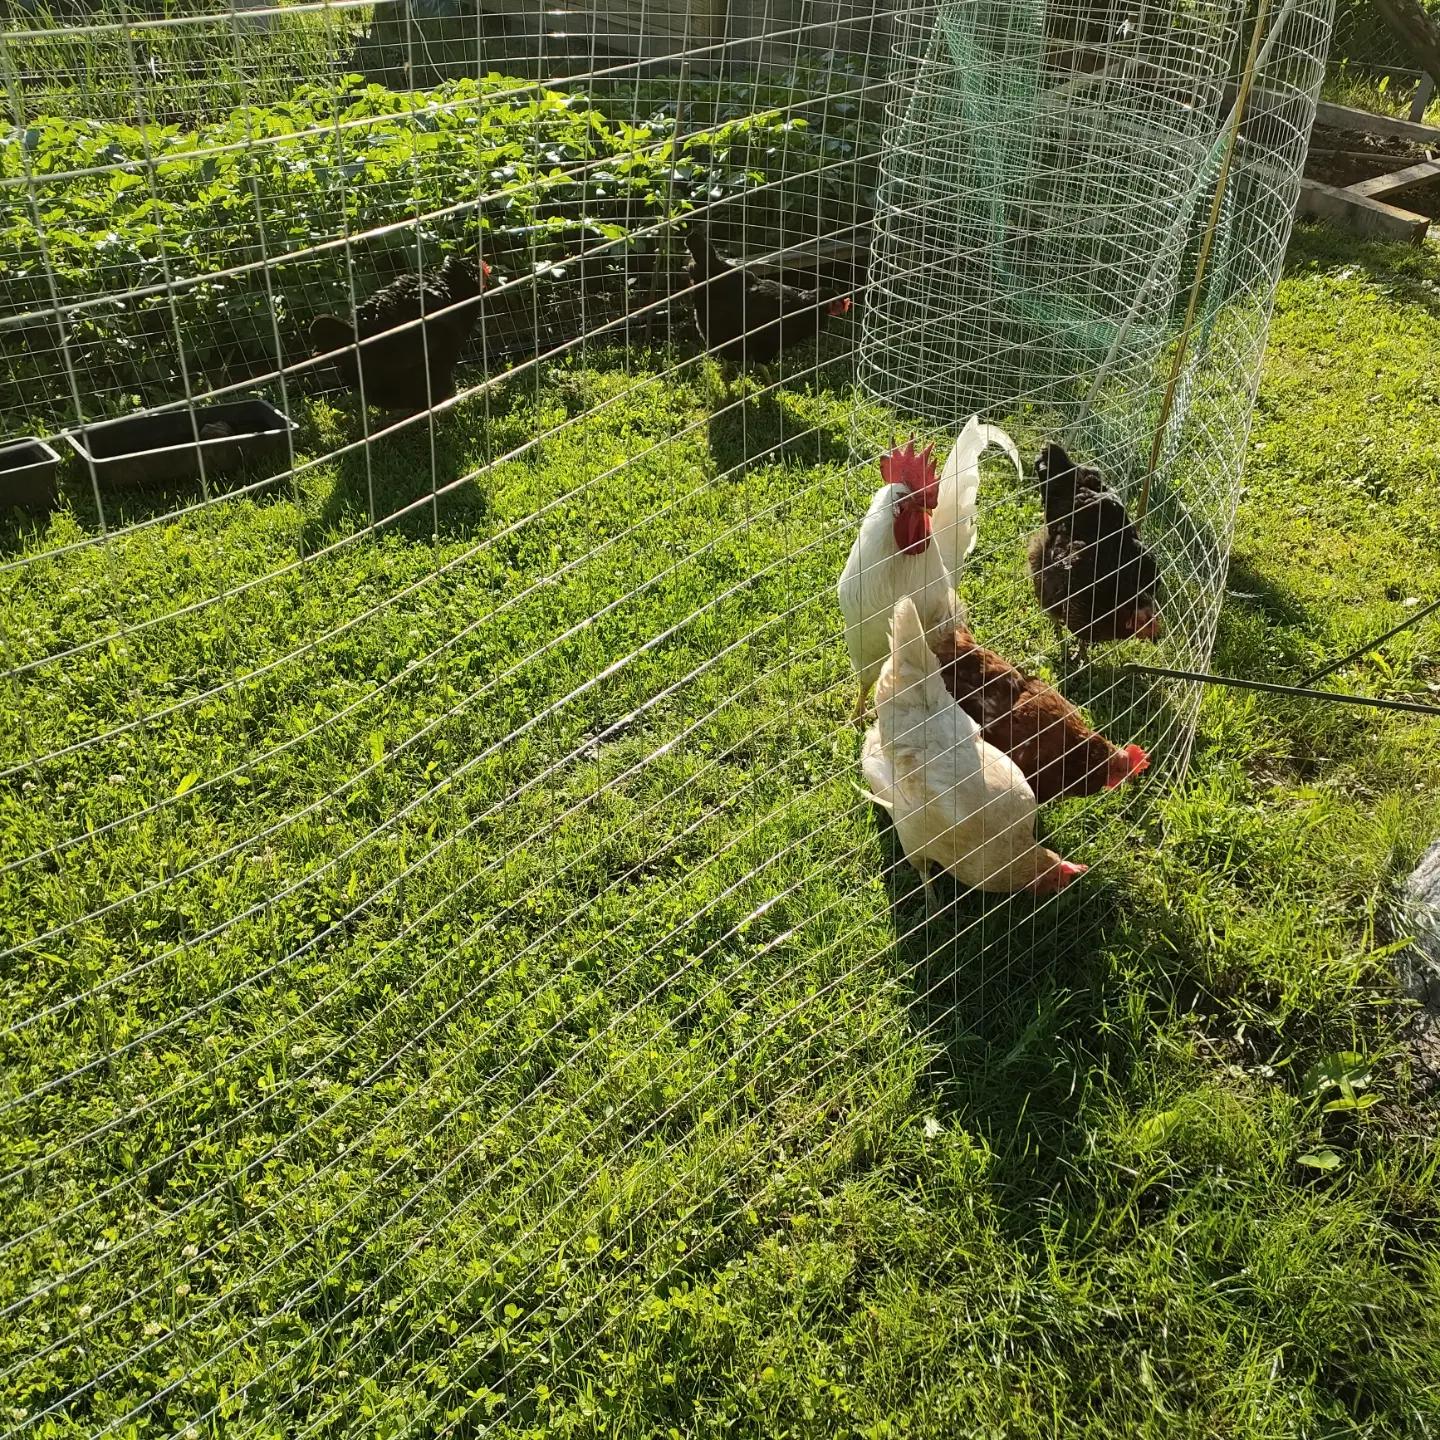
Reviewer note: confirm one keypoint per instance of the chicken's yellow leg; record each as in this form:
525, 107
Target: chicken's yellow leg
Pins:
857, 715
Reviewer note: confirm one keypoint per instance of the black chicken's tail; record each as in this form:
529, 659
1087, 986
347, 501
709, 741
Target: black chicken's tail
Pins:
1056, 473
1053, 462
708, 261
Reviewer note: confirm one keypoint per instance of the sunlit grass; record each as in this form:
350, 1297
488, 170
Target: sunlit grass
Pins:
507, 1017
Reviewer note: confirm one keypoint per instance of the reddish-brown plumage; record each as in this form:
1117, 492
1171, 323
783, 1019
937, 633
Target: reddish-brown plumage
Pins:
1033, 723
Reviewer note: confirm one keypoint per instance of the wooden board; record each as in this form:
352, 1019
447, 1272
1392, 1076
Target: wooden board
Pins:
1360, 213
1373, 157
1394, 180
1343, 117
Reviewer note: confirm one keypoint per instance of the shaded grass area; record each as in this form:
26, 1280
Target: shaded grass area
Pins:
505, 1017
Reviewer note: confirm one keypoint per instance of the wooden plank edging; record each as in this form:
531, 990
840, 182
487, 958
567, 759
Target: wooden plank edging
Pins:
1360, 213
1392, 180
1343, 117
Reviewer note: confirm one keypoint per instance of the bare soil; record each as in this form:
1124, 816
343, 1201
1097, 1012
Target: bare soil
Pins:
1345, 157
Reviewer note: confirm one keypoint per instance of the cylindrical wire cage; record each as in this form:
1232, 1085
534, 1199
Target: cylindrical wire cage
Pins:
444, 950
1048, 182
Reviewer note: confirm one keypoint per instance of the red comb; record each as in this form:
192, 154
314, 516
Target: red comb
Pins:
1132, 760
839, 307
915, 469
484, 269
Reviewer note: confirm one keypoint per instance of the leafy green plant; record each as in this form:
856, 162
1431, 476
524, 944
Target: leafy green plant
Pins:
195, 254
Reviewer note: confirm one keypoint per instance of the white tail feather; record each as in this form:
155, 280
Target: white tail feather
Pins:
912, 683
954, 526
910, 655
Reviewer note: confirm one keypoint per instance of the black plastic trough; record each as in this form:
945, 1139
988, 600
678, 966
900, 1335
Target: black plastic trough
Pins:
161, 449
27, 474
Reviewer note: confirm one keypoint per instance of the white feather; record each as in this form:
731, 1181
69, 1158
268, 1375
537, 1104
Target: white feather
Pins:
876, 575
954, 522
956, 800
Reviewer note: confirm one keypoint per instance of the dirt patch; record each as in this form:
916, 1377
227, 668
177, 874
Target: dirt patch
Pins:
1345, 157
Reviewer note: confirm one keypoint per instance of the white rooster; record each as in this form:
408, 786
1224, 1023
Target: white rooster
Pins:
957, 802
913, 541
893, 556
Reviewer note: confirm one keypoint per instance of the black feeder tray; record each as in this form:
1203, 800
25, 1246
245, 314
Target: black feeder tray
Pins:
161, 449
27, 474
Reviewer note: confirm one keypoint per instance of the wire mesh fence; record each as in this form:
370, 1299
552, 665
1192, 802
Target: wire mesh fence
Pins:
449, 966
1364, 43
1372, 67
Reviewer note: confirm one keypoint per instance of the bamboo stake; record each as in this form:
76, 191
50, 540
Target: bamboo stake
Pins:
1237, 116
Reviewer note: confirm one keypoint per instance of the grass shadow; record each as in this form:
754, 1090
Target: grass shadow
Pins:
1248, 589
1261, 630
390, 482
761, 427
23, 531
1009, 993
124, 508
1407, 273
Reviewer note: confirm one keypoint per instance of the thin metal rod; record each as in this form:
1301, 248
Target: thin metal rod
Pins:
1414, 707
1370, 645
1222, 181
1182, 212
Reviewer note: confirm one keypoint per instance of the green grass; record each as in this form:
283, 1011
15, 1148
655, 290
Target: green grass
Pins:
1380, 93
185, 69
1369, 66
479, 1034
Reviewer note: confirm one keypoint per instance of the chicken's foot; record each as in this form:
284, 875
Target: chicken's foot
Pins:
927, 879
857, 715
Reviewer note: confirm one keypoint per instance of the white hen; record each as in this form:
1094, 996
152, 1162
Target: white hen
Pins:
893, 555
955, 507
957, 802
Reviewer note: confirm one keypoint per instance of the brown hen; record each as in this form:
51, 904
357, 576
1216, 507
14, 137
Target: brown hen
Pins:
1033, 723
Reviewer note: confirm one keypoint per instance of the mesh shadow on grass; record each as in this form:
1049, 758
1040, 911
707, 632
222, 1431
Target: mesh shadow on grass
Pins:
760, 429
1406, 272
1009, 995
1248, 589
131, 505
975, 962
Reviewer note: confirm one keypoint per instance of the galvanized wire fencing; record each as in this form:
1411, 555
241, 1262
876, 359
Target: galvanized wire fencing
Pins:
446, 953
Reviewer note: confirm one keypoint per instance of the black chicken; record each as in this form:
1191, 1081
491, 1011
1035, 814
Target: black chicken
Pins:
745, 319
1091, 573
394, 360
